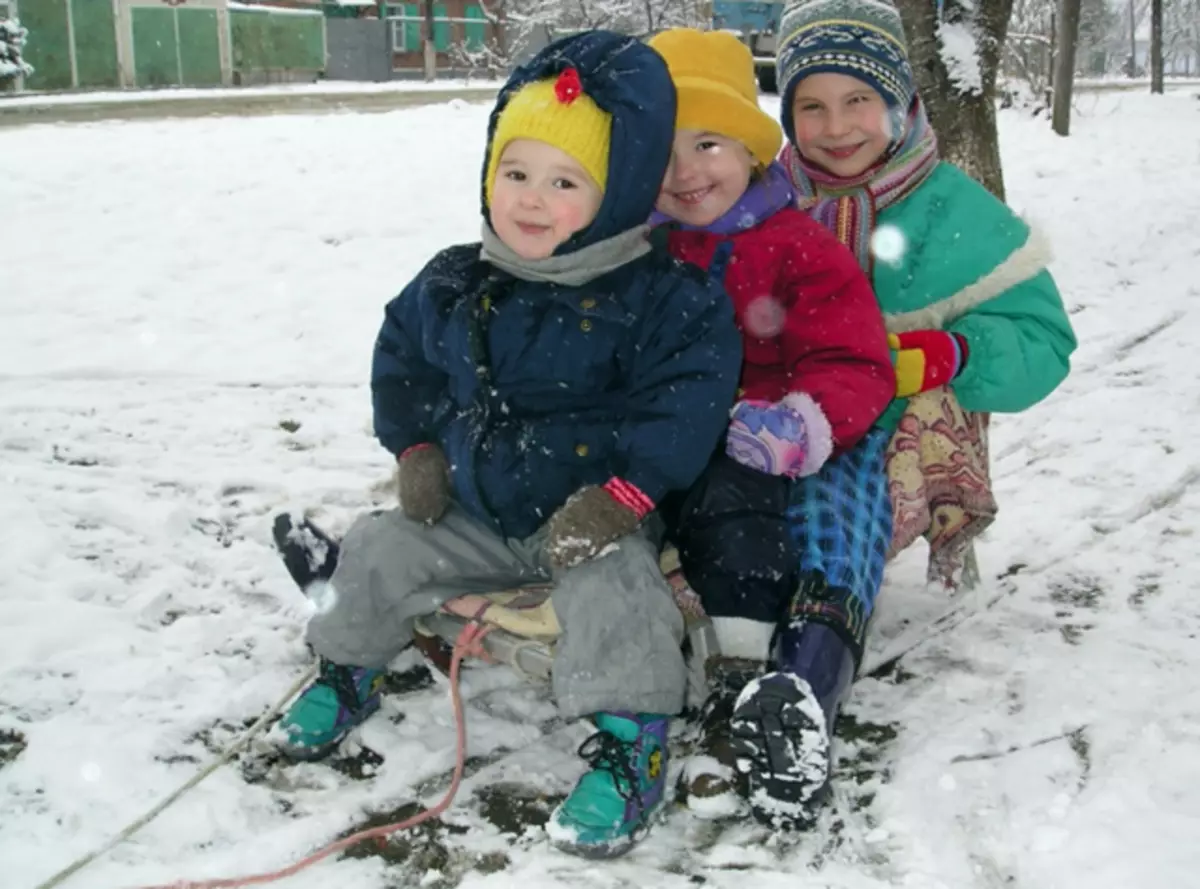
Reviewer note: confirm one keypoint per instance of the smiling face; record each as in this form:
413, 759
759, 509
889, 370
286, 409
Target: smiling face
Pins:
707, 175
840, 123
540, 198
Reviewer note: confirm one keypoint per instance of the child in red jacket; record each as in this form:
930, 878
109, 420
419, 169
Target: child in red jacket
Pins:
817, 374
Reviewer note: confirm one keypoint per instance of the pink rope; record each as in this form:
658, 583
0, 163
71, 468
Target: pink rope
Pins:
468, 642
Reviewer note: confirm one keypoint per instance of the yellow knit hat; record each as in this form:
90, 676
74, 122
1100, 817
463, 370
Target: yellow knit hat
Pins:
555, 111
713, 73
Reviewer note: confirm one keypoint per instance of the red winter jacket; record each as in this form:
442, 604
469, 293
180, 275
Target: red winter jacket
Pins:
809, 319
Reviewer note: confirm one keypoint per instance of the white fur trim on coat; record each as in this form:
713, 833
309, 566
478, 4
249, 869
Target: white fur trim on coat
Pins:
1024, 263
816, 424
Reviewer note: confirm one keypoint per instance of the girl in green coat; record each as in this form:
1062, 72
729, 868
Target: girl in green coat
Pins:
977, 327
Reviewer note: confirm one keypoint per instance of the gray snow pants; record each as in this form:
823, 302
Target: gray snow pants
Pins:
622, 632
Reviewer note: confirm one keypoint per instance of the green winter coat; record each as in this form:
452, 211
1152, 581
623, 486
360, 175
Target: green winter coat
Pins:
970, 266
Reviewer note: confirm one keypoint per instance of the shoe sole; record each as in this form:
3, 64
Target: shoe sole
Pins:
783, 751
615, 848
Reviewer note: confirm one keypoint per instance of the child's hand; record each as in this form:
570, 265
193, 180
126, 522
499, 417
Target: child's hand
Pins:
770, 436
591, 519
423, 478
926, 359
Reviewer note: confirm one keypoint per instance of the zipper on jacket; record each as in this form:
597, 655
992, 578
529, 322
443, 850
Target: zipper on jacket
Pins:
481, 302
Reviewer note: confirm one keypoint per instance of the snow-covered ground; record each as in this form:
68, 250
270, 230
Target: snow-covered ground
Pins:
188, 309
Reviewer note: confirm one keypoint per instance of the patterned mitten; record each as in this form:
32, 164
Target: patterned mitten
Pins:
423, 477
591, 519
926, 359
789, 437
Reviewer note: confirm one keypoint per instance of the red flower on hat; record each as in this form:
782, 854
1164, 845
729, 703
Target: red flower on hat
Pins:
568, 87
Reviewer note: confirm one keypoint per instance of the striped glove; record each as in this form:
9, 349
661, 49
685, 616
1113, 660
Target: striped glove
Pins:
926, 359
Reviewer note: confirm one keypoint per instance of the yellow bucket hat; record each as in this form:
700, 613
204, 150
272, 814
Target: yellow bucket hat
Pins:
717, 92
558, 112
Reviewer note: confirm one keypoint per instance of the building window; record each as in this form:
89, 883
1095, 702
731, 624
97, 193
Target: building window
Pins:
406, 27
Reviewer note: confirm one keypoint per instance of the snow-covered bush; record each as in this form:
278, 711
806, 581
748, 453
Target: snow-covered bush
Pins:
12, 41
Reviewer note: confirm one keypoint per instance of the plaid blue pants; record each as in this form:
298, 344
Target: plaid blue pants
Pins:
841, 522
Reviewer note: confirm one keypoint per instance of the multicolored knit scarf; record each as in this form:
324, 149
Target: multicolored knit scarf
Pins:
849, 207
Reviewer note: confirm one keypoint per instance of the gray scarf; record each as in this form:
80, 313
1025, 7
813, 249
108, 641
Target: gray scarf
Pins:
573, 269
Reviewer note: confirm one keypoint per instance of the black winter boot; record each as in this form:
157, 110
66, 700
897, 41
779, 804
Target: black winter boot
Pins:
309, 554
782, 725
709, 781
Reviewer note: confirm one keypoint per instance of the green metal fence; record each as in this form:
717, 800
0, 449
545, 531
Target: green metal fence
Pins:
266, 41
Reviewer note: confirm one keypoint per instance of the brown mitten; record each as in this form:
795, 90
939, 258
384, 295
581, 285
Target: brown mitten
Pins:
423, 477
591, 519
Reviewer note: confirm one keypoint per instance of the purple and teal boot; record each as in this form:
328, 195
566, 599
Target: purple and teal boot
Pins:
612, 806
336, 701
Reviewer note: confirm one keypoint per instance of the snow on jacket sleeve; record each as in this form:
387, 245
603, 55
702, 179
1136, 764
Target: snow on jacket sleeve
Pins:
405, 387
834, 341
685, 375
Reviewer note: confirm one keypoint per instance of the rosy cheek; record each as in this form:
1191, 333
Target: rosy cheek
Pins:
571, 218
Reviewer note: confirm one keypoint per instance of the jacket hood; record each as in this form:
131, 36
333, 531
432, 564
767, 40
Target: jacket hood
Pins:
630, 81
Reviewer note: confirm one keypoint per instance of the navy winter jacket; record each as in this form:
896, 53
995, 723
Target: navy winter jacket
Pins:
533, 389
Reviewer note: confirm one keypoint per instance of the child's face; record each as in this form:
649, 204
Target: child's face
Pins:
540, 198
841, 123
706, 177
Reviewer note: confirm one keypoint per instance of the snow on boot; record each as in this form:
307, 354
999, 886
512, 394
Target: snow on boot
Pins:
709, 781
309, 554
335, 702
611, 807
782, 725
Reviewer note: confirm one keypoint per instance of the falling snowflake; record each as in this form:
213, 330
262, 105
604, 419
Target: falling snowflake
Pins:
322, 597
889, 244
764, 317
90, 772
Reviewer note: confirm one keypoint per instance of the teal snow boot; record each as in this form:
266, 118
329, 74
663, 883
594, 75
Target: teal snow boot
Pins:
611, 807
335, 702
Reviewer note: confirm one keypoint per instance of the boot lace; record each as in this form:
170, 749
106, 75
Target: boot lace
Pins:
340, 680
604, 751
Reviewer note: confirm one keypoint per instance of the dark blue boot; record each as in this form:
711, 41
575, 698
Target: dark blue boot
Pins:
782, 724
309, 554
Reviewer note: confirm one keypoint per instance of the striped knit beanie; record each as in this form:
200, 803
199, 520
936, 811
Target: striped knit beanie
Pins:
861, 38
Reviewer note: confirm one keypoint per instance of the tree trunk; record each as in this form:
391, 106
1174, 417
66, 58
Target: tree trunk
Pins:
430, 51
1132, 41
1156, 46
1051, 60
1064, 79
961, 109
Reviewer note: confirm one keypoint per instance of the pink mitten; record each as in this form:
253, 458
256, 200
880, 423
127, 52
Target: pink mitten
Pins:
790, 437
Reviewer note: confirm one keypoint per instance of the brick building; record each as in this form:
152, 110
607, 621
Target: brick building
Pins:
461, 31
